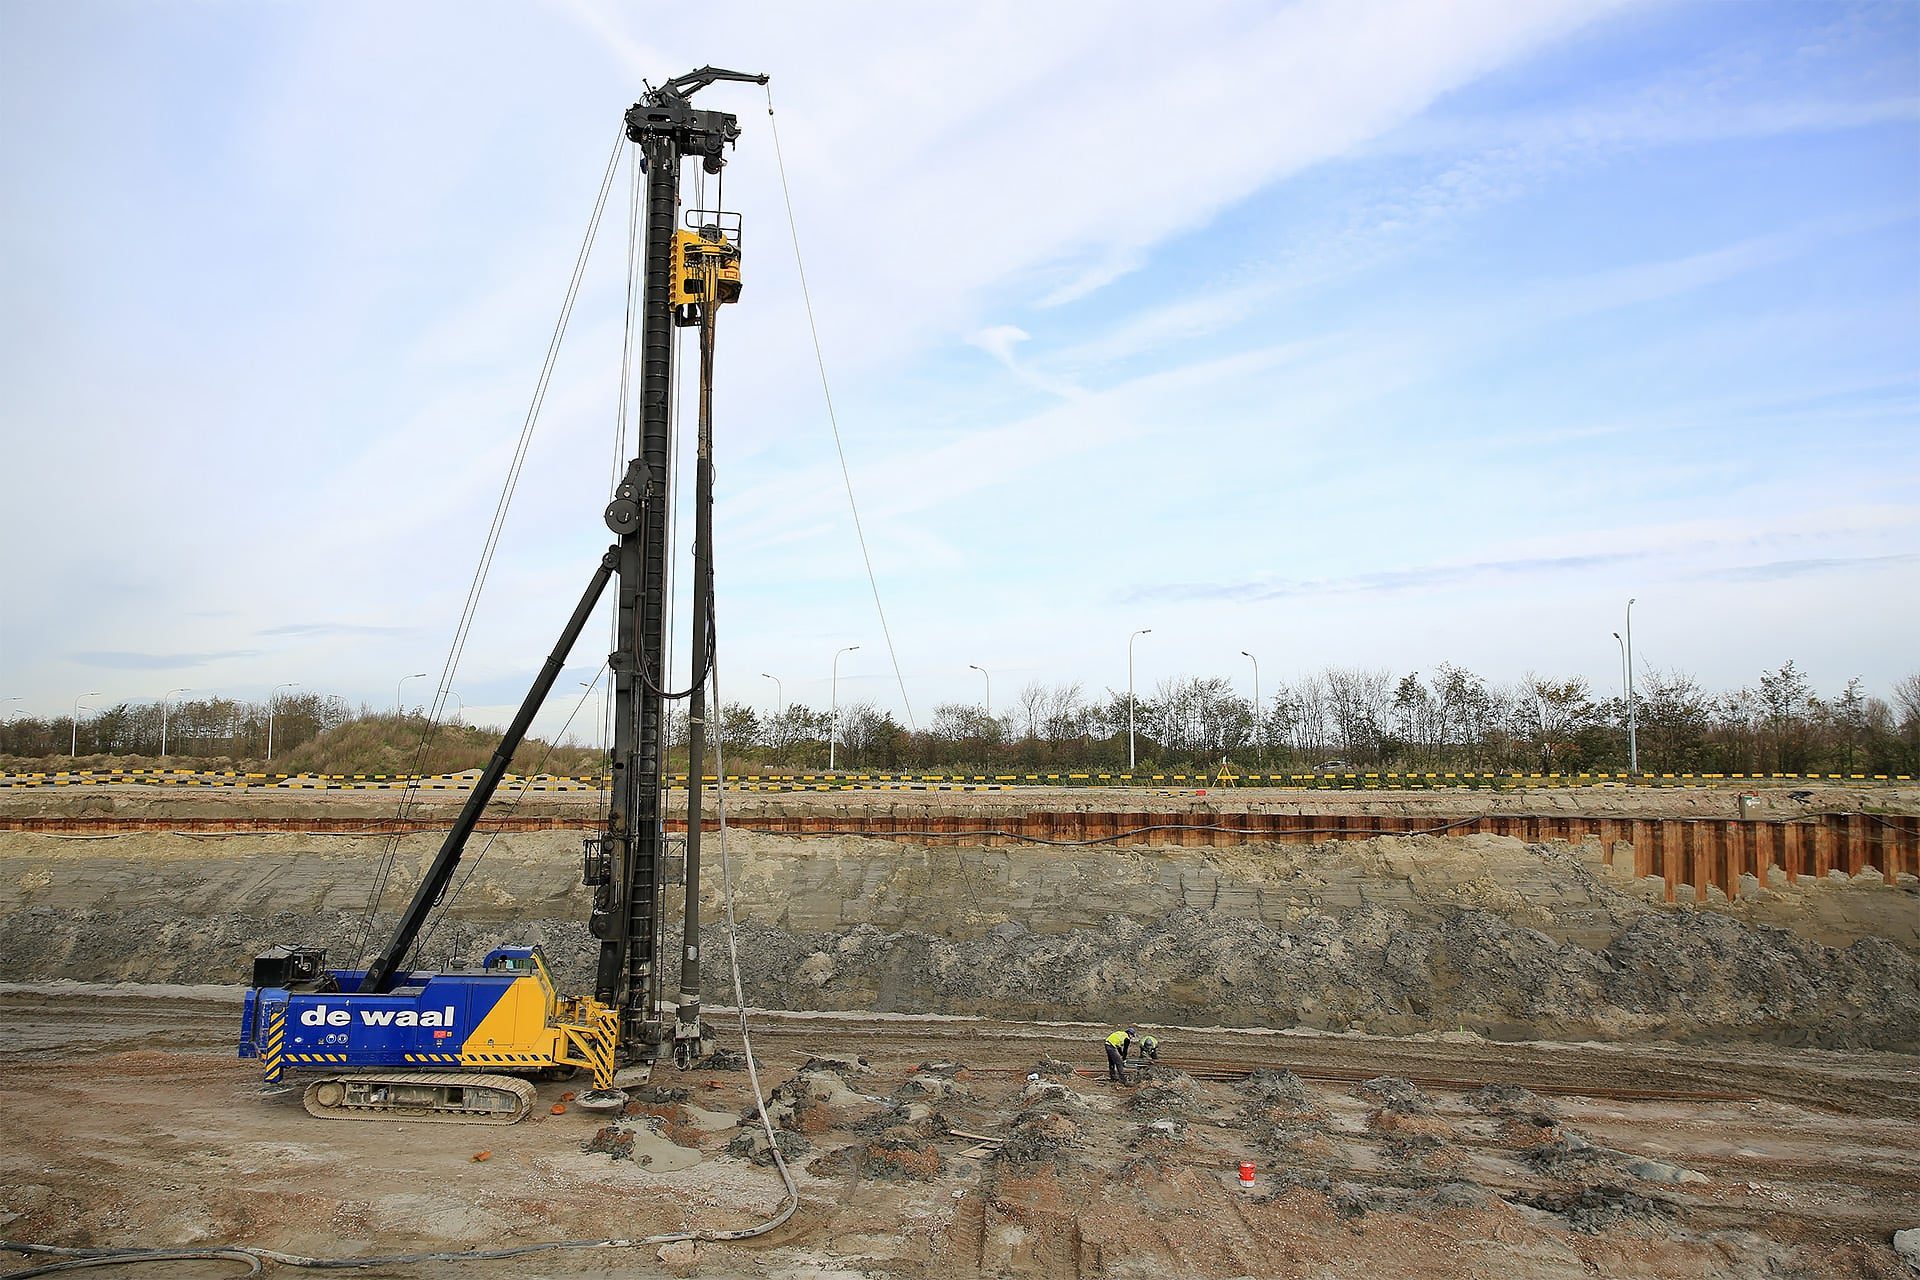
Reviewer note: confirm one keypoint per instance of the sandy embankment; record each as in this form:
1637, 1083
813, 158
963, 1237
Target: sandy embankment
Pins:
1483, 933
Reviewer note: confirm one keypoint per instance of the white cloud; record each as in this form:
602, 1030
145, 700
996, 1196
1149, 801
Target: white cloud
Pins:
999, 341
1000, 171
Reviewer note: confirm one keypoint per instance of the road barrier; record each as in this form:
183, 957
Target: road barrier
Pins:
1224, 778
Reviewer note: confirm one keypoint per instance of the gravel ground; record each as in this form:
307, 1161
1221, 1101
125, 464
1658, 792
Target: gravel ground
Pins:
1390, 1173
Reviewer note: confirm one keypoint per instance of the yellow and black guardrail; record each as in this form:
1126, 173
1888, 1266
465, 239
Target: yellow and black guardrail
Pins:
1317, 780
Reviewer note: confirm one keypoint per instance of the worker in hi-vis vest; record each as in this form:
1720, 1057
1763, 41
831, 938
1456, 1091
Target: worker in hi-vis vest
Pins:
1118, 1044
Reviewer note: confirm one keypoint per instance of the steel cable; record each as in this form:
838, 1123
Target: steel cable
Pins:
495, 528
833, 419
444, 907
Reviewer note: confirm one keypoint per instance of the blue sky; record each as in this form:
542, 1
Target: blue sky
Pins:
1345, 333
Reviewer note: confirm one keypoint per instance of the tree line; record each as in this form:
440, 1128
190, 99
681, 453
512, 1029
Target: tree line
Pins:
1372, 719
1448, 719
201, 728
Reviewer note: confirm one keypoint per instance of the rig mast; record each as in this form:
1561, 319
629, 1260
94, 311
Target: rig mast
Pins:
668, 129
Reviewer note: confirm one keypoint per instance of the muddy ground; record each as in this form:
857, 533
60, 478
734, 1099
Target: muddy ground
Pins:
124, 1121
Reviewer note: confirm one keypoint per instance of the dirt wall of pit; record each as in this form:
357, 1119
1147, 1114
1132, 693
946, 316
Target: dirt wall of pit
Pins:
1480, 933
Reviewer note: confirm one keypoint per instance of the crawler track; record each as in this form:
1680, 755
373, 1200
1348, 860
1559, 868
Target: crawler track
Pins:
455, 1097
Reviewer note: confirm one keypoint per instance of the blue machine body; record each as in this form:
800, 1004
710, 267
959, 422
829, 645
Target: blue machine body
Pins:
428, 1019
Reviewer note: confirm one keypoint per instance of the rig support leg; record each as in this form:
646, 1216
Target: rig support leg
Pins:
274, 1058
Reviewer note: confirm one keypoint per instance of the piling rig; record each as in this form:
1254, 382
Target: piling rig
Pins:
391, 1040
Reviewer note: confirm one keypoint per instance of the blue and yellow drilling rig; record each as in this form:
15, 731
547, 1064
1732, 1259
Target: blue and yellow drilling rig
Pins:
389, 1041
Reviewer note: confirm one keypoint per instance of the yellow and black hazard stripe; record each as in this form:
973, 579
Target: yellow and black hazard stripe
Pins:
434, 1058
276, 1043
601, 1052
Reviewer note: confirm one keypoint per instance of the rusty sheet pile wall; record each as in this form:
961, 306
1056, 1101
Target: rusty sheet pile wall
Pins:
1695, 852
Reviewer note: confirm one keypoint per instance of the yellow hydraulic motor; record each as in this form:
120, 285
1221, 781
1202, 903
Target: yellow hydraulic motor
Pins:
706, 268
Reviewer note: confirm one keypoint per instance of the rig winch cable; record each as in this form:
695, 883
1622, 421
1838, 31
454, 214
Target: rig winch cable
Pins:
833, 419
444, 908
492, 542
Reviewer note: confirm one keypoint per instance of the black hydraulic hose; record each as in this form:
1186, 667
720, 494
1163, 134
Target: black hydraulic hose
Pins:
699, 678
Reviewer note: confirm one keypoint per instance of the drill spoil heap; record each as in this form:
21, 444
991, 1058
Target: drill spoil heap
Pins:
391, 1040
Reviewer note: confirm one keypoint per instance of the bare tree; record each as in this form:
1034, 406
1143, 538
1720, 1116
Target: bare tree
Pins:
1359, 701
1559, 711
1066, 713
1033, 708
1850, 718
1786, 705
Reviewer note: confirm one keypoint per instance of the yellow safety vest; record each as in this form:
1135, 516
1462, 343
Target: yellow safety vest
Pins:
1117, 1039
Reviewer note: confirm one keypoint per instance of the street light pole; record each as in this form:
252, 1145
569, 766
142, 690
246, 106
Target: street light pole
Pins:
12, 715
1633, 711
1144, 631
459, 706
399, 707
163, 718
273, 698
1623, 689
779, 695
833, 718
1259, 734
73, 748
989, 702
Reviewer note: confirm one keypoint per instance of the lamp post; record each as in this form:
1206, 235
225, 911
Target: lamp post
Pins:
163, 718
1259, 734
988, 704
399, 708
1540, 717
1623, 690
1144, 631
73, 748
833, 719
600, 716
272, 699
779, 695
11, 716
459, 706
1633, 711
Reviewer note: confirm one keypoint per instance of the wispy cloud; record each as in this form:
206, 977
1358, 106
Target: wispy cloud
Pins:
1487, 572
1381, 581
1333, 297
327, 630
1778, 570
1669, 117
128, 660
